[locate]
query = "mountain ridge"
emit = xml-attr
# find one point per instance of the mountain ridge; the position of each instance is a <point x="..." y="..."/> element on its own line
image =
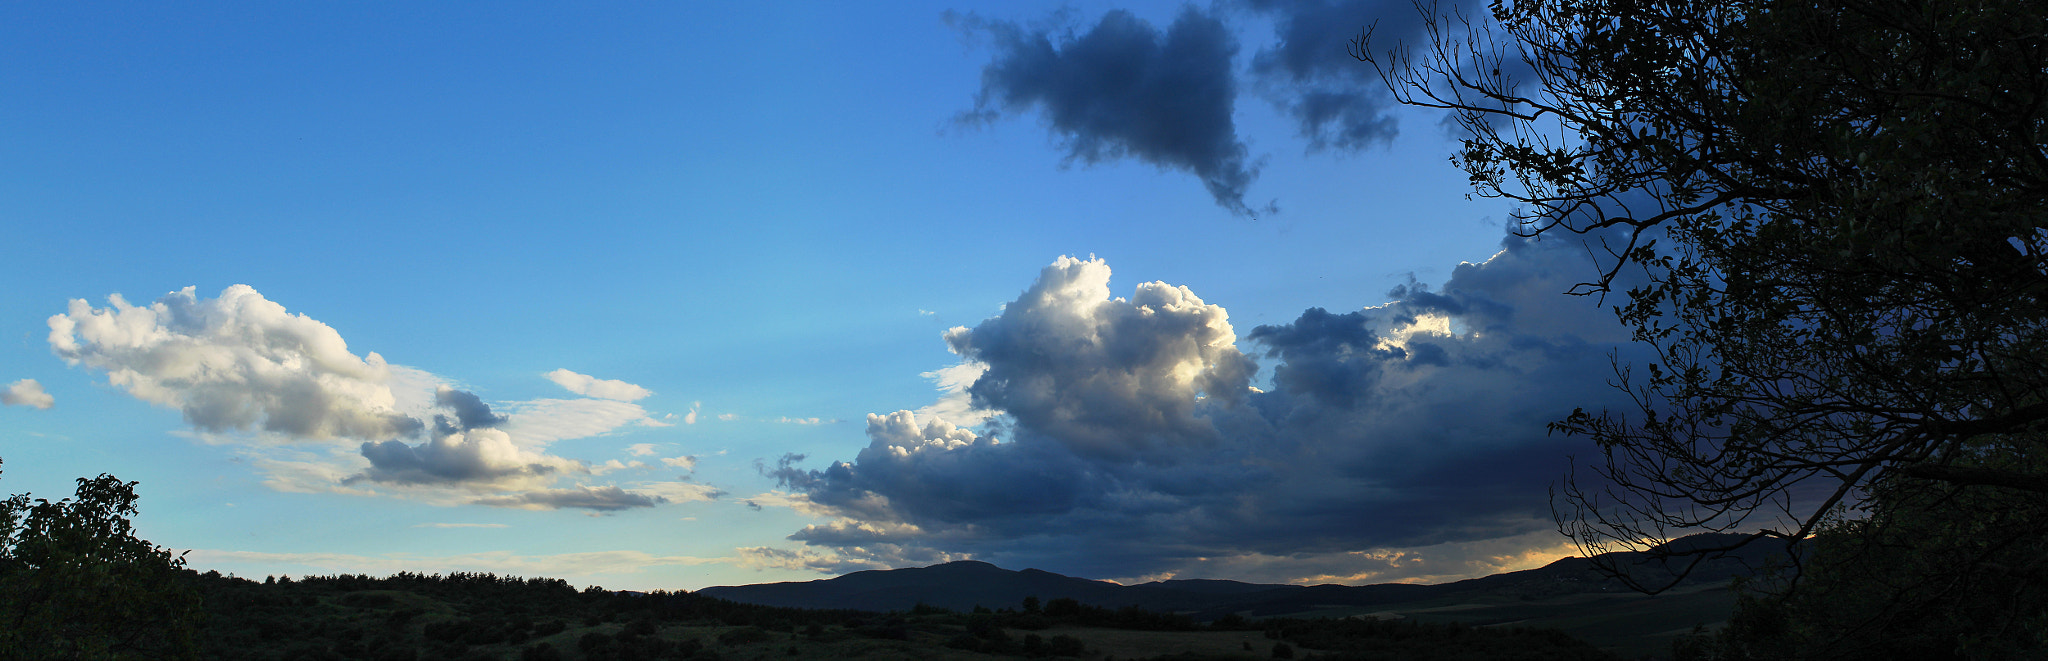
<point x="964" y="584"/>
<point x="1569" y="594"/>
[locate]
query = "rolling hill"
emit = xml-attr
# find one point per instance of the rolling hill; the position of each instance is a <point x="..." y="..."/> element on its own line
<point x="1570" y="594"/>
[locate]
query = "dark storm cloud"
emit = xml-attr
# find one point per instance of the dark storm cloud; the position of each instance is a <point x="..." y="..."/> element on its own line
<point x="1124" y="88"/>
<point x="1335" y="100"/>
<point x="1131" y="441"/>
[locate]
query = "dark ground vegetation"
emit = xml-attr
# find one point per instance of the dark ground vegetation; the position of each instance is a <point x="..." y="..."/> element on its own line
<point x="482" y="616"/>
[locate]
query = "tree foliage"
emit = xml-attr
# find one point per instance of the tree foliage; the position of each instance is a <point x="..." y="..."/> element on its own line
<point x="1931" y="573"/>
<point x="1830" y="223"/>
<point x="76" y="583"/>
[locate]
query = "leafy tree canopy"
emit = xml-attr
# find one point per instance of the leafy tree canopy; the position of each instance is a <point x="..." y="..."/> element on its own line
<point x="1829" y="219"/>
<point x="76" y="583"/>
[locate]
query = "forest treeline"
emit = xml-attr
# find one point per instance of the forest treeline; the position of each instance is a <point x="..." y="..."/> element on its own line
<point x="409" y="616"/>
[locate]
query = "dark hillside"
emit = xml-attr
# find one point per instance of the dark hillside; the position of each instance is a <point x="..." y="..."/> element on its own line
<point x="955" y="585"/>
<point x="411" y="617"/>
<point x="966" y="584"/>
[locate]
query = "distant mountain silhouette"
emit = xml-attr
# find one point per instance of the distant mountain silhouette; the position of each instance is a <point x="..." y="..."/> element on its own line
<point x="954" y="585"/>
<point x="965" y="584"/>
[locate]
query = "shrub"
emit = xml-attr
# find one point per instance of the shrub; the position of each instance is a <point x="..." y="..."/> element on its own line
<point x="744" y="636"/>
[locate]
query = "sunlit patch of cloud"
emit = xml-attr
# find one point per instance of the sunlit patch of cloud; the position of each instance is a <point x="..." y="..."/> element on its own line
<point x="842" y="560"/>
<point x="1430" y="564"/>
<point x="955" y="404"/>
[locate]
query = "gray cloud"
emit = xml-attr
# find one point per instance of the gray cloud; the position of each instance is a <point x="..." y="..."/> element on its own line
<point x="599" y="499"/>
<point x="470" y="411"/>
<point x="26" y="392"/>
<point x="1124" y="88"/>
<point x="465" y="450"/>
<point x="1131" y="441"/>
<point x="1336" y="101"/>
<point x="482" y="458"/>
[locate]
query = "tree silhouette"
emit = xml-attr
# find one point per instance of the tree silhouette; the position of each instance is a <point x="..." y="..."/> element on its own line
<point x="1829" y="220"/>
<point x="75" y="582"/>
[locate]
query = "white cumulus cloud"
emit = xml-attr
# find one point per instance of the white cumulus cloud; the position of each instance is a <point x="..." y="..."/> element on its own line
<point x="26" y="392"/>
<point x="285" y="393"/>
<point x="236" y="362"/>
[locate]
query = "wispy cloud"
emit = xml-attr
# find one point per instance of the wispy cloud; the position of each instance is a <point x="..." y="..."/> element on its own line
<point x="956" y="404"/>
<point x="460" y="525"/>
<point x="781" y="419"/>
<point x="543" y="421"/>
<point x="596" y="499"/>
<point x="584" y="384"/>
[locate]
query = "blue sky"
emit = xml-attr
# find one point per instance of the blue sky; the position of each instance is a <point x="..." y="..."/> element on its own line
<point x="673" y="247"/>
